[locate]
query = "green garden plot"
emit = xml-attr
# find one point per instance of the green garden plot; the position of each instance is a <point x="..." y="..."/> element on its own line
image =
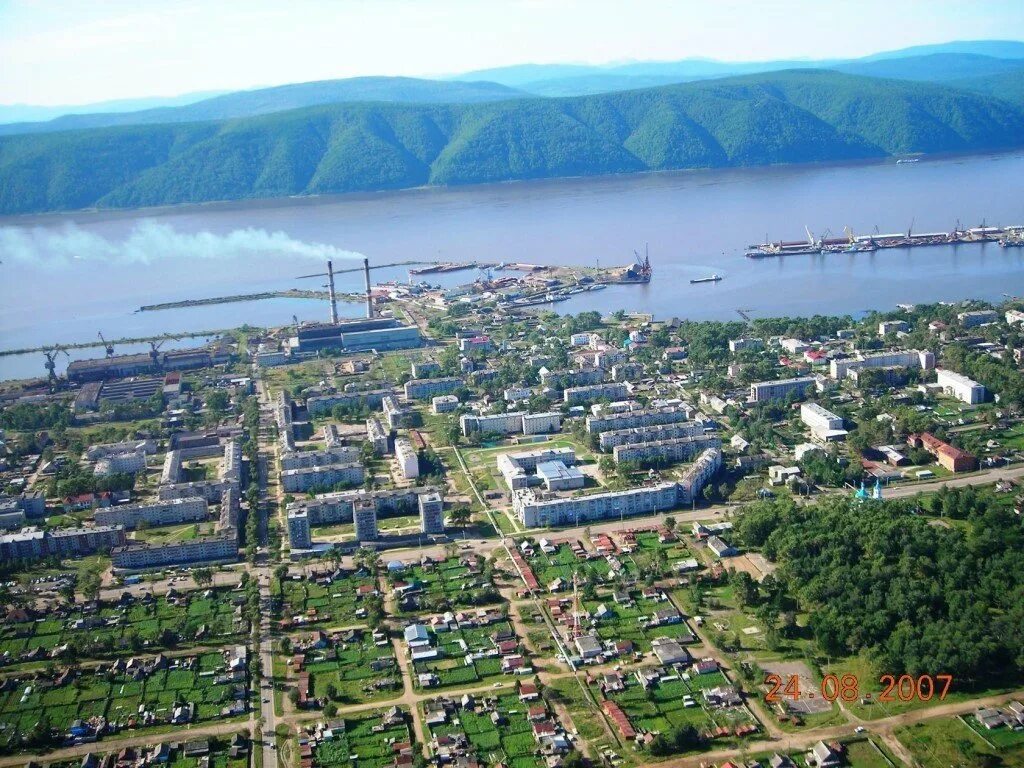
<point x="372" y="749"/>
<point x="451" y="668"/>
<point x="347" y="668"/>
<point x="139" y="626"/>
<point x="563" y="563"/>
<point x="625" y="622"/>
<point x="511" y="742"/>
<point x="114" y="696"/>
<point x="661" y="709"/>
<point x="335" y="604"/>
<point x="448" y="585"/>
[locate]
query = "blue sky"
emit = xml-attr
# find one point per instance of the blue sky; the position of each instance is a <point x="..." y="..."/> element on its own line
<point x="74" y="51"/>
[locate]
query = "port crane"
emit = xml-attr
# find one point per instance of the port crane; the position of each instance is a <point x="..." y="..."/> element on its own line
<point x="154" y="352"/>
<point x="51" y="364"/>
<point x="106" y="345"/>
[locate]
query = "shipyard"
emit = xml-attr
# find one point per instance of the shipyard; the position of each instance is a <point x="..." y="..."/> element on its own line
<point x="1005" y="237"/>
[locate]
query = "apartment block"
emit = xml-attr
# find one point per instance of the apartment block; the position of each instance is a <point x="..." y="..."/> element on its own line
<point x="959" y="386"/>
<point x="585" y="394"/>
<point x="764" y="391"/>
<point x="171" y="512"/>
<point x="679" y="449"/>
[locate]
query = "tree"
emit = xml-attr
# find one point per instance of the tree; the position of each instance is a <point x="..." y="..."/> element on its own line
<point x="331" y="691"/>
<point x="89" y="583"/>
<point x="460" y="516"/>
<point x="202" y="576"/>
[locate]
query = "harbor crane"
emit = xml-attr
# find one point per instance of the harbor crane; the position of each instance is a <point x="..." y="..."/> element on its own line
<point x="154" y="351"/>
<point x="106" y="345"/>
<point x="51" y="363"/>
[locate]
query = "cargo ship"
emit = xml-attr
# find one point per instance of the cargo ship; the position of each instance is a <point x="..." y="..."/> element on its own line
<point x="712" y="279"/>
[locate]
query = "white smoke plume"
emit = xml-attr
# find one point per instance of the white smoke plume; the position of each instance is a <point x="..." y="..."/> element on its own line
<point x="151" y="241"/>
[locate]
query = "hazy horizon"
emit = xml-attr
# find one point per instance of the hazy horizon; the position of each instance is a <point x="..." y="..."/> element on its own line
<point x="69" y="54"/>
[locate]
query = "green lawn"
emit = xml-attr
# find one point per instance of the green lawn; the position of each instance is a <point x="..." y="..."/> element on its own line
<point x="347" y="667"/>
<point x="363" y="742"/>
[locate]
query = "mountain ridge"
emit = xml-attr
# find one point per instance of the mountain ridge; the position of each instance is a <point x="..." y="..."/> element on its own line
<point x="789" y="117"/>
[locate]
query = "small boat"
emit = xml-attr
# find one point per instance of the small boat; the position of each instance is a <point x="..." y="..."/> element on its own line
<point x="905" y="160"/>
<point x="712" y="279"/>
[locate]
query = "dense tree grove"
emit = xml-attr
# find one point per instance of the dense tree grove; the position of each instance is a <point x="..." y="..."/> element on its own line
<point x="921" y="598"/>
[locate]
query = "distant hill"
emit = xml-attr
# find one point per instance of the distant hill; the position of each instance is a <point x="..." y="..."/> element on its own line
<point x="1001" y="49"/>
<point x="787" y="117"/>
<point x="1008" y="86"/>
<point x="281" y="98"/>
<point x="934" y="67"/>
<point x="18" y="113"/>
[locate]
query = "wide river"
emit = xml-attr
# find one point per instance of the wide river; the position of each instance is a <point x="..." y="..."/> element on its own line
<point x="66" y="277"/>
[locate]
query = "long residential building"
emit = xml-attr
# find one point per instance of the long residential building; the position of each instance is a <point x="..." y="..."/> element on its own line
<point x="512" y="422"/>
<point x="613" y="437"/>
<point x="698" y="474"/>
<point x="644" y="417"/>
<point x="824" y="424"/>
<point x="325" y="475"/>
<point x="764" y="391"/>
<point x="345" y="454"/>
<point x="377" y="435"/>
<point x="396" y="416"/>
<point x="371" y="398"/>
<point x="923" y="359"/>
<point x="562" y="379"/>
<point x="425" y="389"/>
<point x="171" y="512"/>
<point x="35" y="544"/>
<point x="210" y="490"/>
<point x="538" y="511"/>
<point x="335" y="508"/>
<point x="407" y="457"/>
<point x="139" y="556"/>
<point x="679" y="449"/>
<point x="129" y="462"/>
<point x="959" y="386"/>
<point x="608" y="391"/>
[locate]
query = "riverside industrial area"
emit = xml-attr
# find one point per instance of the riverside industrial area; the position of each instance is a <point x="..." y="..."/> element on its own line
<point x="464" y="530"/>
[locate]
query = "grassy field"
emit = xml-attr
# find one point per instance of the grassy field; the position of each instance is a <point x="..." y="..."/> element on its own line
<point x="947" y="742"/>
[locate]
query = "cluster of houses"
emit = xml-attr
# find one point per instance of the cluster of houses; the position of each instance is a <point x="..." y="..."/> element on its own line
<point x="821" y="755"/>
<point x="1010" y="716"/>
<point x="411" y="593"/>
<point x="333" y="730"/>
<point x="167" y="753"/>
<point x="318" y="645"/>
<point x="421" y="640"/>
<point x="453" y="747"/>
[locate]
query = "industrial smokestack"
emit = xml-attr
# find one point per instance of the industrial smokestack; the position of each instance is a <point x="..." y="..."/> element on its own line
<point x="333" y="296"/>
<point x="369" y="298"/>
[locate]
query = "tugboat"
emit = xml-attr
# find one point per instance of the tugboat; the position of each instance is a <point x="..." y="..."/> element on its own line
<point x="712" y="279"/>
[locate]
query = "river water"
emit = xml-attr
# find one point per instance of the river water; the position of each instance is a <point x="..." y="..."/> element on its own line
<point x="67" y="276"/>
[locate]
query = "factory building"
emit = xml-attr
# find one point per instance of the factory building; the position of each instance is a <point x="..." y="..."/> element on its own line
<point x="431" y="513"/>
<point x="538" y="511"/>
<point x="924" y="359"/>
<point x="424" y="389"/>
<point x="643" y="417"/>
<point x="123" y="366"/>
<point x="613" y="437"/>
<point x="408" y="459"/>
<point x="764" y="391"/>
<point x="591" y="392"/>
<point x="323" y="476"/>
<point x="959" y="386"/>
<point x="138" y="556"/>
<point x="678" y="449"/>
<point x="170" y="512"/>
<point x="362" y="335"/>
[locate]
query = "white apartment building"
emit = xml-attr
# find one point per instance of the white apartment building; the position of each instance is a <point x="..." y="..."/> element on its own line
<point x="408" y="459"/>
<point x="959" y="386"/>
